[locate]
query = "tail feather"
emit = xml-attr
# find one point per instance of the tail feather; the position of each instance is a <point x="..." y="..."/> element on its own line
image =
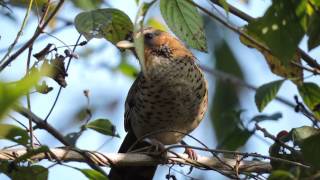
<point x="131" y="172"/>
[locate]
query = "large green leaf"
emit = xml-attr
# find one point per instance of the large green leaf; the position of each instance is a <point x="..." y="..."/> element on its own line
<point x="93" y="174"/>
<point x="225" y="101"/>
<point x="267" y="93"/>
<point x="185" y="21"/>
<point x="10" y="93"/>
<point x="103" y="126"/>
<point x="302" y="133"/>
<point x="13" y="133"/>
<point x="310" y="148"/>
<point x="279" y="29"/>
<point x="111" y="24"/>
<point x="310" y="92"/>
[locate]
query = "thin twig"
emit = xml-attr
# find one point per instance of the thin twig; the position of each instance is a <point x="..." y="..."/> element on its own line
<point x="32" y="39"/>
<point x="269" y="135"/>
<point x="28" y="98"/>
<point x="235" y="80"/>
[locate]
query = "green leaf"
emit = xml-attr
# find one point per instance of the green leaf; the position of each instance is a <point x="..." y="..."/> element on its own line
<point x="111" y="24"/>
<point x="310" y="148"/>
<point x="14" y="133"/>
<point x="103" y="126"/>
<point x="185" y="21"/>
<point x="266" y="93"/>
<point x="281" y="175"/>
<point x="153" y="22"/>
<point x="10" y="93"/>
<point x="34" y="172"/>
<point x="302" y="133"/>
<point x="264" y="117"/>
<point x="279" y="29"/>
<point x="310" y="93"/>
<point x="128" y="69"/>
<point x="313" y="31"/>
<point x="87" y="5"/>
<point x="93" y="174"/>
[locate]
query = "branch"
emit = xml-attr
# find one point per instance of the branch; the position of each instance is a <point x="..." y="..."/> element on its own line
<point x="136" y="159"/>
<point x="46" y="126"/>
<point x="308" y="59"/>
<point x="237" y="81"/>
<point x="36" y="34"/>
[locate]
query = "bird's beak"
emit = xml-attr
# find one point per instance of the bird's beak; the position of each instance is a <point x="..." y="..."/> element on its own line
<point x="125" y="44"/>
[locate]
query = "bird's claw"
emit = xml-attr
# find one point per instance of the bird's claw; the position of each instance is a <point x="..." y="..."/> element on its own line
<point x="191" y="153"/>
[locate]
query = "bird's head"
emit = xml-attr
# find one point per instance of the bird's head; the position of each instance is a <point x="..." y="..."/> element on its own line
<point x="159" y="48"/>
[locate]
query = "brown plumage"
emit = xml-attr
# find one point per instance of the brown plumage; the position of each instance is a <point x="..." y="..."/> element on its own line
<point x="170" y="94"/>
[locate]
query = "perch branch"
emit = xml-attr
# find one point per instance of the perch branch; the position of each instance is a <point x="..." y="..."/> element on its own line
<point x="136" y="159"/>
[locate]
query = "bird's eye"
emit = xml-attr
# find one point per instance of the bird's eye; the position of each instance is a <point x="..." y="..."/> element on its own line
<point x="149" y="36"/>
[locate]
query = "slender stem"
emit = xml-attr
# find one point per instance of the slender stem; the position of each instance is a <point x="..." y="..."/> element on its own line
<point x="29" y="100"/>
<point x="19" y="32"/>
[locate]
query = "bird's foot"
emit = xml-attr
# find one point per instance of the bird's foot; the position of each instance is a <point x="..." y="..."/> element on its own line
<point x="156" y="148"/>
<point x="191" y="153"/>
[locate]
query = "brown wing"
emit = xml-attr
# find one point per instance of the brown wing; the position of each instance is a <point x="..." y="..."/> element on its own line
<point x="131" y="102"/>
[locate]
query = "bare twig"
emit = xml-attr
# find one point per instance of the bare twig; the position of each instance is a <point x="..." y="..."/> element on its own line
<point x="268" y="135"/>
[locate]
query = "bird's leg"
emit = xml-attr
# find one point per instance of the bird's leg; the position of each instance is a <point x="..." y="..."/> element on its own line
<point x="157" y="147"/>
<point x="189" y="151"/>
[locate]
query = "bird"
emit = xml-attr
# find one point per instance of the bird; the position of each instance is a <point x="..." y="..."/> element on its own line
<point x="167" y="100"/>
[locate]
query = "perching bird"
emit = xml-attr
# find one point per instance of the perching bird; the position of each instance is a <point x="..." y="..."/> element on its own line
<point x="170" y="93"/>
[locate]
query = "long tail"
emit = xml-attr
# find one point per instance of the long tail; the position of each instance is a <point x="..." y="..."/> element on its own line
<point x="131" y="172"/>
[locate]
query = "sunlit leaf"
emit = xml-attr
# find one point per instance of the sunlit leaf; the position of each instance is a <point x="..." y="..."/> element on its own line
<point x="93" y="174"/>
<point x="10" y="93"/>
<point x="103" y="126"/>
<point x="310" y="92"/>
<point x="267" y="93"/>
<point x="111" y="24"/>
<point x="153" y="22"/>
<point x="185" y="21"/>
<point x="87" y="5"/>
<point x="302" y="133"/>
<point x="127" y="69"/>
<point x="279" y="29"/>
